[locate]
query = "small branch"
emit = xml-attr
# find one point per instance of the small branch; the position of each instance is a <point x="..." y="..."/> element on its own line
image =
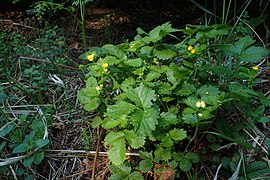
<point x="86" y="152"/>
<point x="43" y="60"/>
<point x="193" y="138"/>
<point x="96" y="155"/>
<point x="16" y="24"/>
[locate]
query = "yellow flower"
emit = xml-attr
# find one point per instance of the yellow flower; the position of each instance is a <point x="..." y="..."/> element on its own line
<point x="105" y="65"/>
<point x="193" y="51"/>
<point x="200" y="104"/>
<point x="256" y="68"/>
<point x="200" y="114"/>
<point x="98" y="88"/>
<point x="90" y="57"/>
<point x="190" y="48"/>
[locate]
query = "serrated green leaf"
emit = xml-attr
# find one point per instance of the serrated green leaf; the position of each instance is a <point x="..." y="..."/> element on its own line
<point x="152" y="75"/>
<point x="142" y="96"/>
<point x="134" y="62"/>
<point x="135" y="45"/>
<point x="144" y="122"/>
<point x="164" y="54"/>
<point x="178" y="134"/>
<point x="162" y="154"/>
<point x="6" y="129"/>
<point x="109" y="123"/>
<point x="190" y="119"/>
<point x="91" y="83"/>
<point x="186" y="89"/>
<point x="178" y="156"/>
<point x="114" y="51"/>
<point x="38" y="157"/>
<point x="213" y="31"/>
<point x="145" y="165"/>
<point x="185" y="165"/>
<point x="194" y="158"/>
<point x="167" y="118"/>
<point x="191" y="102"/>
<point x="87" y="99"/>
<point x="112" y="60"/>
<point x="231" y="49"/>
<point x="117" y="152"/>
<point x="160" y="31"/>
<point x="121" y="108"/>
<point x="166" y="142"/>
<point x="92" y="105"/>
<point x="41" y="143"/>
<point x="257" y="169"/>
<point x="166" y="88"/>
<point x="146" y="155"/>
<point x="127" y="83"/>
<point x="120" y="170"/>
<point x="96" y="122"/>
<point x="135" y="176"/>
<point x="87" y="96"/>
<point x="243" y="43"/>
<point x="253" y="54"/>
<point x="134" y="140"/>
<point x="208" y="90"/>
<point x="20" y="148"/>
<point x="173" y="74"/>
<point x="115" y="177"/>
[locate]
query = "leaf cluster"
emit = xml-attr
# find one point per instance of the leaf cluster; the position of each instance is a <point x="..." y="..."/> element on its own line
<point x="153" y="93"/>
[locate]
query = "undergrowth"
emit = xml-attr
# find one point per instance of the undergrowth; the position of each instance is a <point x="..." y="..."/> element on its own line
<point x="31" y="90"/>
<point x="169" y="110"/>
<point x="158" y="99"/>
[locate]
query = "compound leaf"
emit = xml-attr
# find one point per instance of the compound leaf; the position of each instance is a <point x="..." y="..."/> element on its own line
<point x="144" y="122"/>
<point x="120" y="170"/>
<point x="253" y="54"/>
<point x="134" y="62"/>
<point x="121" y="108"/>
<point x="117" y="147"/>
<point x="134" y="140"/>
<point x="178" y="134"/>
<point x="142" y="96"/>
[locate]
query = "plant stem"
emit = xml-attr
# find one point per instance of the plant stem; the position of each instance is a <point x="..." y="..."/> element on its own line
<point x="193" y="138"/>
<point x="82" y="10"/>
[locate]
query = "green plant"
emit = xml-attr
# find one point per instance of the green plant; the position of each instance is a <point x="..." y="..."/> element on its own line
<point x="42" y="8"/>
<point x="25" y="67"/>
<point x="157" y="97"/>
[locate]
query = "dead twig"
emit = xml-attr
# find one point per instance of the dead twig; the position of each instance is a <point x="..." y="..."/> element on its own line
<point x="43" y="60"/>
<point x="96" y="155"/>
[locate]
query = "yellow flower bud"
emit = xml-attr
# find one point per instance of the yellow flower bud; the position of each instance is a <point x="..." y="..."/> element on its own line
<point x="193" y="51"/>
<point x="90" y="57"/>
<point x="200" y="114"/>
<point x="256" y="68"/>
<point x="105" y="65"/>
<point x="200" y="104"/>
<point x="190" y="48"/>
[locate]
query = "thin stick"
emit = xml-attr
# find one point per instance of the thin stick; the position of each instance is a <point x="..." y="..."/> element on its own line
<point x="43" y="60"/>
<point x="86" y="152"/>
<point x="96" y="155"/>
